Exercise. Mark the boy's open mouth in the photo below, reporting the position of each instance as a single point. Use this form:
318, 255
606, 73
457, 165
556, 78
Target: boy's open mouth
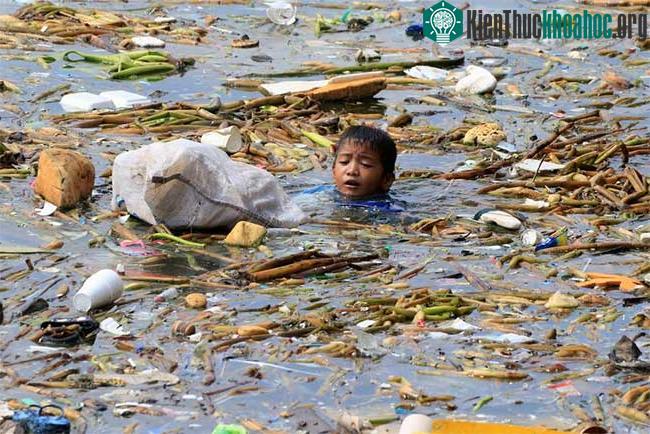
352, 183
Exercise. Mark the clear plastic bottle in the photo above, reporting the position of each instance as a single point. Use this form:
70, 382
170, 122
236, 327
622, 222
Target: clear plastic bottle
167, 295
281, 12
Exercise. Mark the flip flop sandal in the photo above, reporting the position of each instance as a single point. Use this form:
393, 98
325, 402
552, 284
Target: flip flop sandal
68, 332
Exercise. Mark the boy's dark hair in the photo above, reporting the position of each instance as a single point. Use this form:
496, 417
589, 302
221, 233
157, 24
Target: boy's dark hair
377, 140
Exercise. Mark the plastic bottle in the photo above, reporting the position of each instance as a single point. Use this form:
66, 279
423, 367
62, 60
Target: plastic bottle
166, 295
281, 12
33, 420
229, 429
558, 238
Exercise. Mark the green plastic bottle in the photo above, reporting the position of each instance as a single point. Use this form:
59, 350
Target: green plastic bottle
229, 429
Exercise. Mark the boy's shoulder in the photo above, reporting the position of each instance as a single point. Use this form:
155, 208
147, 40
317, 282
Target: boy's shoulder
382, 202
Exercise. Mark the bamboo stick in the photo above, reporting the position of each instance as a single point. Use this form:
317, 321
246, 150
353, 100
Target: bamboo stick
274, 263
605, 245
438, 63
475, 173
300, 266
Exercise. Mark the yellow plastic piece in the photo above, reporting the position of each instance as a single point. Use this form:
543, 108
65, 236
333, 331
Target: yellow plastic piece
443, 426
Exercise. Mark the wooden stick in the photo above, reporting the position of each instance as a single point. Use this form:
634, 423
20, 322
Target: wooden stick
121, 231
567, 184
635, 180
611, 197
633, 197
336, 266
290, 269
274, 263
605, 245
475, 173
304, 265
438, 63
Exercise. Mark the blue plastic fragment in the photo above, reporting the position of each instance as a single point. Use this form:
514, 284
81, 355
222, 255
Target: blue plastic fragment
415, 32
401, 411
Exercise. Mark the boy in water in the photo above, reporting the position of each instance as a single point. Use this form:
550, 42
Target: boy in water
364, 166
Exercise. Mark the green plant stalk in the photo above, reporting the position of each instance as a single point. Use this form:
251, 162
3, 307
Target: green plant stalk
441, 317
378, 301
318, 139
448, 300
110, 59
153, 58
143, 70
4, 172
178, 240
155, 122
382, 420
181, 121
465, 310
407, 313
160, 115
481, 403
437, 310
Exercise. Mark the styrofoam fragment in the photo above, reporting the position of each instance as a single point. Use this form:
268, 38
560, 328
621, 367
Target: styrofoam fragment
85, 102
124, 99
148, 42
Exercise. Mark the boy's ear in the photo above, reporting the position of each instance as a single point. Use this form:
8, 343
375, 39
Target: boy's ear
387, 181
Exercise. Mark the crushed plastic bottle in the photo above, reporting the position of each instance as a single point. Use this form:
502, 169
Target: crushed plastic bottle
281, 12
558, 238
167, 295
34, 421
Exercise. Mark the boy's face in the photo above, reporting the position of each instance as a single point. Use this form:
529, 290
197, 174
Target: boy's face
358, 171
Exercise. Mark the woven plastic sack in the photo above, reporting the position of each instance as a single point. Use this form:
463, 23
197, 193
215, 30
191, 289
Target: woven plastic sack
185, 184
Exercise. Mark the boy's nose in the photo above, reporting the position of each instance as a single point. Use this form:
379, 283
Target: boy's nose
353, 168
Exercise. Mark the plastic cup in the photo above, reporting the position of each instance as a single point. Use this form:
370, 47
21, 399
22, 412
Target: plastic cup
281, 12
100, 289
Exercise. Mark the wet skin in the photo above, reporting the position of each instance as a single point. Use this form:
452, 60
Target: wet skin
358, 172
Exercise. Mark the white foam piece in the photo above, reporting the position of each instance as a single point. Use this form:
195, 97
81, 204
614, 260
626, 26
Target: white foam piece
283, 87
124, 99
424, 72
356, 76
85, 102
532, 165
512, 338
458, 324
163, 20
477, 81
500, 218
148, 42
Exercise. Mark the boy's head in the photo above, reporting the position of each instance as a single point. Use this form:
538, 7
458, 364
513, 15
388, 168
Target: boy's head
364, 164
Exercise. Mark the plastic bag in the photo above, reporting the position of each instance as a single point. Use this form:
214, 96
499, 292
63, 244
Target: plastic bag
185, 184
